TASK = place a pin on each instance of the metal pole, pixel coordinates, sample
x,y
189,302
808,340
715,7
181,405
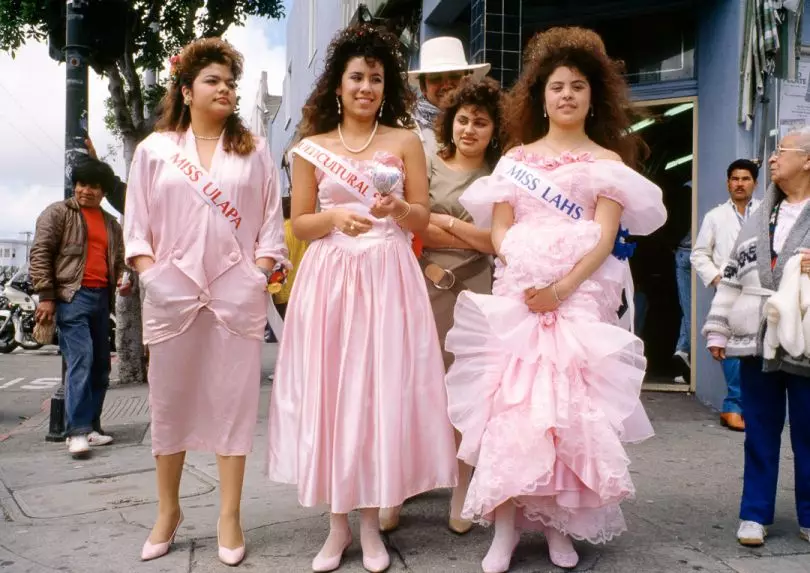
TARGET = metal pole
x,y
76,53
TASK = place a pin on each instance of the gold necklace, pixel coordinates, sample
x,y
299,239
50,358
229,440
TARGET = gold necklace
x,y
206,138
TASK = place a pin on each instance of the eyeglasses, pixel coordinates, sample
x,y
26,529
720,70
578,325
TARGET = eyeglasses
x,y
779,149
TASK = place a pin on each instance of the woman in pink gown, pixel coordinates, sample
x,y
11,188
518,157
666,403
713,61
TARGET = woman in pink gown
x,y
545,385
358,413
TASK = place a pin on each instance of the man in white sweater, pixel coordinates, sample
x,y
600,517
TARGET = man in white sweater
x,y
715,240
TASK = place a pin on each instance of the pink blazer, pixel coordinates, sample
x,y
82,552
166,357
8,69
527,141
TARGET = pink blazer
x,y
199,263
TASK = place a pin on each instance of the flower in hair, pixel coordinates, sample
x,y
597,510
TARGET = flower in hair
x,y
174,64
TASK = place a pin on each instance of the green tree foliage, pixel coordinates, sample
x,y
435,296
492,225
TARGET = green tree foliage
x,y
154,30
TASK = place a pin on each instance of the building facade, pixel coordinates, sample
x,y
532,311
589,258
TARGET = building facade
x,y
13,253
685,63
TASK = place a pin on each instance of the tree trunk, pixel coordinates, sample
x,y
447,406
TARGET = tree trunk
x,y
129,331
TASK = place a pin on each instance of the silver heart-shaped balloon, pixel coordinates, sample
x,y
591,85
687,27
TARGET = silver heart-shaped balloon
x,y
385,178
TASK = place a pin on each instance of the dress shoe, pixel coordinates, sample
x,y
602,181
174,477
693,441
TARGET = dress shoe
x,y
459,526
561,549
732,421
389,518
321,564
154,550
495,562
377,564
232,557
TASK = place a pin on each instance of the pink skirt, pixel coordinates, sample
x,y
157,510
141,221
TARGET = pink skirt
x,y
543,403
204,390
358,411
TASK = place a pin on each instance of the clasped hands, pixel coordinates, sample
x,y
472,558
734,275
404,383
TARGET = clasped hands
x,y
353,224
545,299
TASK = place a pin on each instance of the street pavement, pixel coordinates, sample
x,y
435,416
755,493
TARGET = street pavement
x,y
93,515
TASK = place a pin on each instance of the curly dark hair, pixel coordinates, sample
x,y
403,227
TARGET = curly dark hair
x,y
484,94
320,113
174,114
583,50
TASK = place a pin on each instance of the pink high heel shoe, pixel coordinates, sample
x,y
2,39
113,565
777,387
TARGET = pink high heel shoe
x,y
231,557
377,564
154,550
561,549
500,563
326,564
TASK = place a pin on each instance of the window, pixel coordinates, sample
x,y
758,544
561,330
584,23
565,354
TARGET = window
x,y
313,48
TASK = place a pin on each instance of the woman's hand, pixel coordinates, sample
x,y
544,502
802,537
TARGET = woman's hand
x,y
718,353
541,300
350,223
387,205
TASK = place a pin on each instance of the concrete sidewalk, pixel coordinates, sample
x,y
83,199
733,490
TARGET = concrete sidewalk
x,y
93,515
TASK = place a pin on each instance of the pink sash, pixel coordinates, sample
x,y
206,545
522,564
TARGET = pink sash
x,y
200,181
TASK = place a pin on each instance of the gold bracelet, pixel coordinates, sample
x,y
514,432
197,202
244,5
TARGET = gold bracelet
x,y
405,214
554,290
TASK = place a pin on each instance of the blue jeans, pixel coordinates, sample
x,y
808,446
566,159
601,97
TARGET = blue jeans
x,y
764,396
84,338
683,277
731,371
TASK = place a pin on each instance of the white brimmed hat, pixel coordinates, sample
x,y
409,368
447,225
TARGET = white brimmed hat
x,y
444,54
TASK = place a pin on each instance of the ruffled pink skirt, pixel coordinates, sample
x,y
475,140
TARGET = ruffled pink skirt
x,y
543,403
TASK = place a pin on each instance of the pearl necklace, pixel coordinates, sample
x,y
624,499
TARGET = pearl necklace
x,y
368,141
206,138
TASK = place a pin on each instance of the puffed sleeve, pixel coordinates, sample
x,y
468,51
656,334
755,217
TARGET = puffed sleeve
x,y
270,242
641,199
137,230
482,195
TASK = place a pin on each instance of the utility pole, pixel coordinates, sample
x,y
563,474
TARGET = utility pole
x,y
27,243
76,55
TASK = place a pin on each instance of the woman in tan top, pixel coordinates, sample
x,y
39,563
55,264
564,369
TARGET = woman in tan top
x,y
456,253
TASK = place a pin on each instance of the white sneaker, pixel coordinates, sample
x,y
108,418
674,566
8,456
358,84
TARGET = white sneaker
x,y
804,533
78,446
751,534
97,439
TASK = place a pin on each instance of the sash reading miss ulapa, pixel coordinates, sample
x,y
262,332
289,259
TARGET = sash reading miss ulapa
x,y
200,181
339,170
538,186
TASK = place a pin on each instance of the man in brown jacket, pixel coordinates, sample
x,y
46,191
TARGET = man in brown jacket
x,y
77,260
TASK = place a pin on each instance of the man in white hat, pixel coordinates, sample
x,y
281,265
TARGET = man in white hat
x,y
442,64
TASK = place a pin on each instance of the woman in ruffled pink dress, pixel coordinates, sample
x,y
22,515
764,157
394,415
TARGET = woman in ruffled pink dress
x,y
545,385
358,414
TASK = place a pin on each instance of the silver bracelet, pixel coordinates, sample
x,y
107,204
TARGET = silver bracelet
x,y
554,290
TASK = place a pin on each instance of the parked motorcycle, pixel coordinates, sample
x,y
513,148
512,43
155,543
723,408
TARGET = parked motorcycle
x,y
22,305
18,316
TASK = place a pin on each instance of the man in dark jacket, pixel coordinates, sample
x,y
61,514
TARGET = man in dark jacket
x,y
77,260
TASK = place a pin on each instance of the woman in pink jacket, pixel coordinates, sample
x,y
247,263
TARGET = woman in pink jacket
x,y
204,231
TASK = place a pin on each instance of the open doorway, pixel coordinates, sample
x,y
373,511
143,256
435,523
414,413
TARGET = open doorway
x,y
669,127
